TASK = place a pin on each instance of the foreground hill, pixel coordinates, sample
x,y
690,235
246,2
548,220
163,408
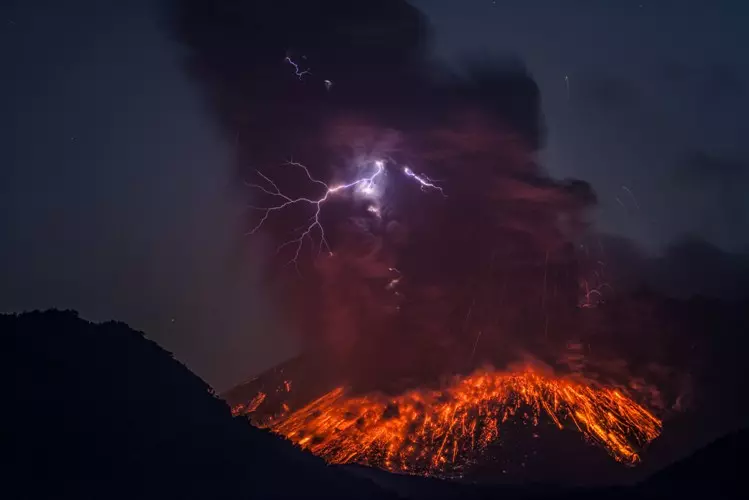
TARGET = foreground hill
x,y
99,411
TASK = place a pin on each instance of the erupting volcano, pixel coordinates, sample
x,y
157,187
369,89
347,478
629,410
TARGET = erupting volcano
x,y
417,239
439,432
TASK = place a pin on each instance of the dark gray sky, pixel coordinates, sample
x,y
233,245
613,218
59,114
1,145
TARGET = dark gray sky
x,y
652,84
116,192
117,196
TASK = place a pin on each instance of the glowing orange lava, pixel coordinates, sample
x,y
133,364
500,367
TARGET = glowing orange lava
x,y
251,406
429,431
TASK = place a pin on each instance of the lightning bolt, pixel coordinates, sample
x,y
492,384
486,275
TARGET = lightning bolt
x,y
365,185
425,181
298,72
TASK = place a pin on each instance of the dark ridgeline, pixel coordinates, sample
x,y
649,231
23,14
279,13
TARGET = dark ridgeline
x,y
712,472
99,411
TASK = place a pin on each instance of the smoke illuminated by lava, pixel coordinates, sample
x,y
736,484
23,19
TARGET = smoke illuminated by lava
x,y
427,431
402,288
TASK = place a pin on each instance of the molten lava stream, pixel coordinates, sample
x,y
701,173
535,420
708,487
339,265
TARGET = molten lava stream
x,y
432,431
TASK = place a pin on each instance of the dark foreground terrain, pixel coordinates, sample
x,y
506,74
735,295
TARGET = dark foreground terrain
x,y
99,411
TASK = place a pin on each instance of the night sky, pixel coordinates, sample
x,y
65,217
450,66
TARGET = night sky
x,y
117,196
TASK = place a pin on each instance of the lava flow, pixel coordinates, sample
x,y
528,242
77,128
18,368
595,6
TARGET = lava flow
x,y
438,432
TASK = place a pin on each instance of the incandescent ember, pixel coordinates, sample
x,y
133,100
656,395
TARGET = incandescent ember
x,y
440,432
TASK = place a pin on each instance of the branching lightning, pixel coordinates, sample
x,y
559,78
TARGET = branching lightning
x,y
297,70
426,182
365,186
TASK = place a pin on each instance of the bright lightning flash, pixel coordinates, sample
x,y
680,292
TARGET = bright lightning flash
x,y
365,186
425,181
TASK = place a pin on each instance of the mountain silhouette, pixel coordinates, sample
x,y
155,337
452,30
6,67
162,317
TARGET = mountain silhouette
x,y
100,411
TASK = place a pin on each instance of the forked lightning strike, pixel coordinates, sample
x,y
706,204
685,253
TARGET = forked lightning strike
x,y
425,181
365,185
297,71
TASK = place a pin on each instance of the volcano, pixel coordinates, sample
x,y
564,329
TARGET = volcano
x,y
422,251
522,423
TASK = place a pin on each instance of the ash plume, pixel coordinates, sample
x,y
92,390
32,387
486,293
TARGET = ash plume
x,y
424,282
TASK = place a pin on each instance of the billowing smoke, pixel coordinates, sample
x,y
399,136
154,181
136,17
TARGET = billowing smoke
x,y
411,281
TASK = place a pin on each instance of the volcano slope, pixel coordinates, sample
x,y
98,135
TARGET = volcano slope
x,y
690,337
98,410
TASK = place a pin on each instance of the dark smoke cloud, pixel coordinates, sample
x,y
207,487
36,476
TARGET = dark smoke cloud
x,y
483,272
692,266
688,267
703,177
